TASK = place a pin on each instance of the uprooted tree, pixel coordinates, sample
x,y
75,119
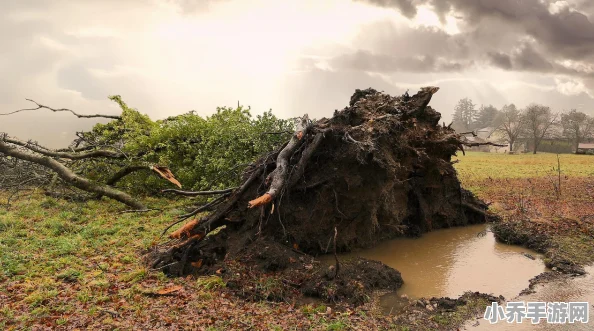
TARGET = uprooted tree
x,y
380,168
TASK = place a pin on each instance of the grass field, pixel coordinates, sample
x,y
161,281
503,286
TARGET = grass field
x,y
477,165
551,213
78,266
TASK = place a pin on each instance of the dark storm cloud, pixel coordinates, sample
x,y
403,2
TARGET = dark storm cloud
x,y
536,36
528,59
386,48
566,32
500,60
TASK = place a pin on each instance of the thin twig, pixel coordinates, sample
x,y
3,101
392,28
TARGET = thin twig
x,y
337,268
196,211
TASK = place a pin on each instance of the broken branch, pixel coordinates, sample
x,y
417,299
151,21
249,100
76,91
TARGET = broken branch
x,y
70,177
197,193
279,174
482,144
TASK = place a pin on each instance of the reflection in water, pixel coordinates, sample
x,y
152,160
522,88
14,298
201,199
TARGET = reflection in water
x,y
576,289
451,261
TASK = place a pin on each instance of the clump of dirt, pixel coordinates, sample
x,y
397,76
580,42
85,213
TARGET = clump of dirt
x,y
378,169
443,313
355,280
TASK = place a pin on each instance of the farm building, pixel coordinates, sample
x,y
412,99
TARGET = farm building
x,y
491,134
585,148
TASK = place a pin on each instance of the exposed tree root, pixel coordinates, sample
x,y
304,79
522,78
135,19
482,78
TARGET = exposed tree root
x,y
378,169
184,231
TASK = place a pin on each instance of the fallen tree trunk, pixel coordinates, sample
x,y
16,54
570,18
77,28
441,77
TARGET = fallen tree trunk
x,y
70,177
378,169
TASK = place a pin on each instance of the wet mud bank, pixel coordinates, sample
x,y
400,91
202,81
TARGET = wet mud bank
x,y
563,251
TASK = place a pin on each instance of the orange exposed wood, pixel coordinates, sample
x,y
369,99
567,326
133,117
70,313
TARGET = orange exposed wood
x,y
263,200
184,231
197,264
197,236
166,173
299,135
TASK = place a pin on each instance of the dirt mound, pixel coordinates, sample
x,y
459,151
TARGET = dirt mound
x,y
357,279
377,169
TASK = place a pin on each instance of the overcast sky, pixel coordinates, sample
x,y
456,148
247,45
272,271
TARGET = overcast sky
x,y
166,57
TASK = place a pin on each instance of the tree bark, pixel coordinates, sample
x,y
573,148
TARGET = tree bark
x,y
70,177
278,177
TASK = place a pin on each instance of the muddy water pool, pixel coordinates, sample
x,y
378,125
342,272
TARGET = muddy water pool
x,y
451,261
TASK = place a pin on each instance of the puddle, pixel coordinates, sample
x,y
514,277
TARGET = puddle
x,y
575,289
451,261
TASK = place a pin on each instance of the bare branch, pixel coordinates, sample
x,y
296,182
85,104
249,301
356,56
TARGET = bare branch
x,y
197,193
469,132
70,177
64,155
196,211
305,156
206,206
40,106
482,144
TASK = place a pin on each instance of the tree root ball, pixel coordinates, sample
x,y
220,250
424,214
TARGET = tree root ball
x,y
378,169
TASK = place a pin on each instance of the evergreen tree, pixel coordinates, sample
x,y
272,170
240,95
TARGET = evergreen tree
x,y
464,115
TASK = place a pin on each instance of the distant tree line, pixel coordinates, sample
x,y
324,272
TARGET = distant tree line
x,y
531,125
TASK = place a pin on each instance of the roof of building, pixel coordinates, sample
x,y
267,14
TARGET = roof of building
x,y
586,146
485,132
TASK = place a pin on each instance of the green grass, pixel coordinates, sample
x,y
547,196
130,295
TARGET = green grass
x,y
478,165
63,263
